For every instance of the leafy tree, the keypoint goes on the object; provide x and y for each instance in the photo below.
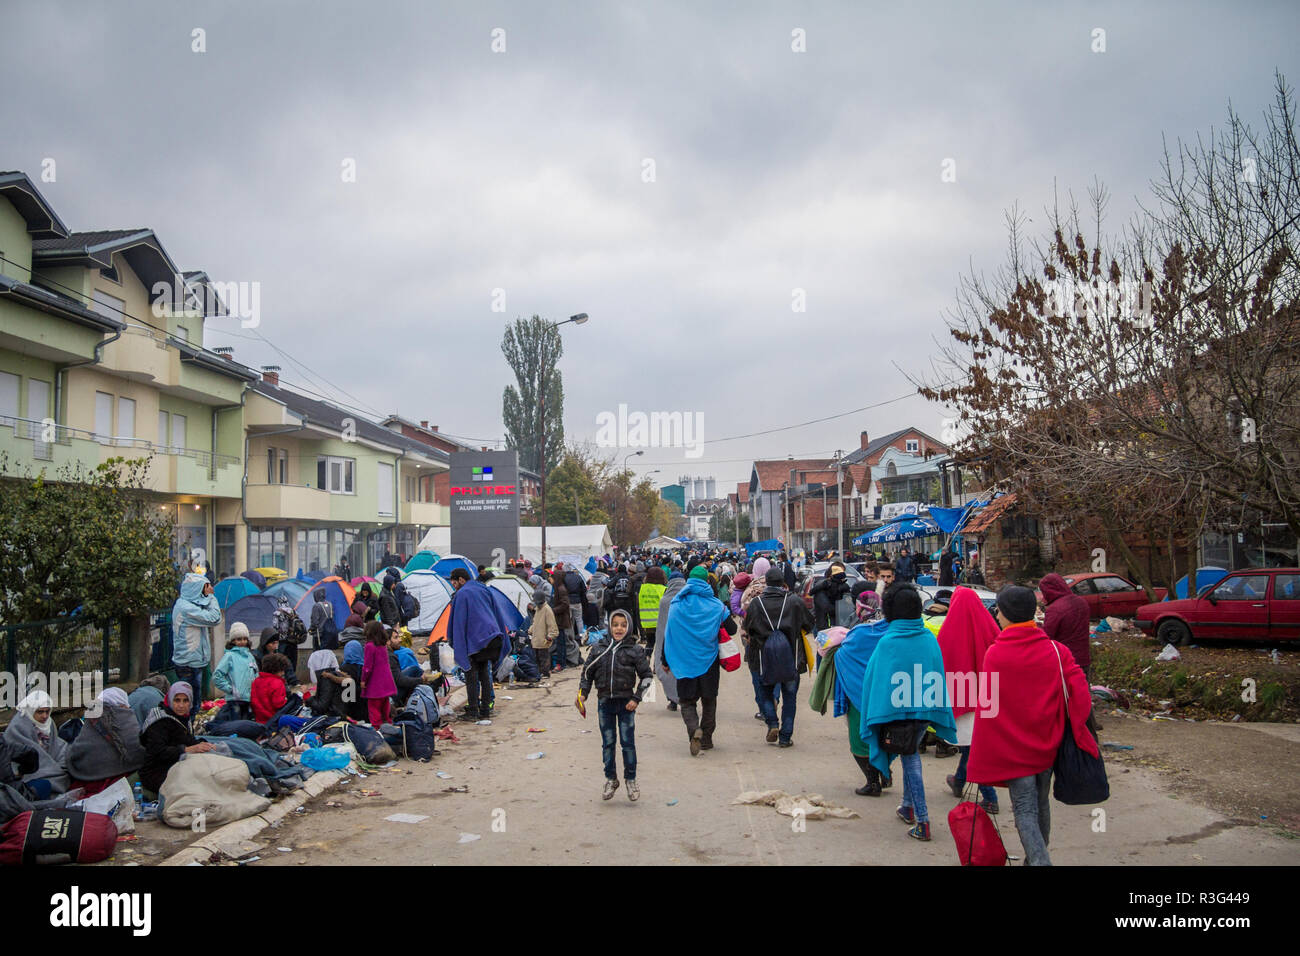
(532, 348)
(87, 539)
(571, 480)
(722, 528)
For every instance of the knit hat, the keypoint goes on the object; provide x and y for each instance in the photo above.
(774, 577)
(700, 572)
(237, 630)
(1017, 604)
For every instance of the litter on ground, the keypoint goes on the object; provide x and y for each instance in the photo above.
(469, 837)
(811, 806)
(406, 817)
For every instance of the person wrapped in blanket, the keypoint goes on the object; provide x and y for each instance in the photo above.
(330, 697)
(167, 734)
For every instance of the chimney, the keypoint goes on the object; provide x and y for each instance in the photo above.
(226, 352)
(424, 424)
(271, 374)
(865, 441)
(433, 428)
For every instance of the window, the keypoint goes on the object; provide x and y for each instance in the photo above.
(266, 548)
(223, 551)
(103, 418)
(270, 466)
(162, 431)
(334, 474)
(913, 445)
(109, 306)
(385, 488)
(9, 395)
(126, 419)
(1286, 587)
(314, 549)
(1082, 587)
(1112, 585)
(178, 434)
(283, 456)
(1242, 587)
(38, 409)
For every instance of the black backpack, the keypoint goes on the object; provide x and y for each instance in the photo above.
(776, 663)
(623, 588)
(410, 606)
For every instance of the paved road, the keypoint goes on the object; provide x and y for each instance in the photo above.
(549, 811)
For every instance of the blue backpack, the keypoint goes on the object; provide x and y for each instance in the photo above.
(776, 663)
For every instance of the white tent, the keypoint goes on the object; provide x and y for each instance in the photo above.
(513, 587)
(583, 541)
(663, 542)
(433, 592)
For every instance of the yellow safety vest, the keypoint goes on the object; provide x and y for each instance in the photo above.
(648, 601)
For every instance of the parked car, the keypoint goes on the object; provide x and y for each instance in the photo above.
(1108, 595)
(1253, 604)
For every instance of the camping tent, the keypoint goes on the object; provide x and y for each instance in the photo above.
(340, 594)
(513, 587)
(421, 561)
(230, 590)
(444, 566)
(434, 594)
(256, 578)
(586, 540)
(662, 543)
(255, 610)
(291, 588)
(1204, 578)
(272, 575)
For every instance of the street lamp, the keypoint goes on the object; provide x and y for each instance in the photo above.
(626, 470)
(578, 319)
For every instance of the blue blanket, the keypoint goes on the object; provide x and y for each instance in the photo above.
(905, 680)
(851, 663)
(691, 641)
(474, 622)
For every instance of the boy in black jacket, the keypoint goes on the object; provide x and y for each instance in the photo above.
(618, 668)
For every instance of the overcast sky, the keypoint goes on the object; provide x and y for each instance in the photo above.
(524, 170)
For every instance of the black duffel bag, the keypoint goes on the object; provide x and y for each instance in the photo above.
(902, 737)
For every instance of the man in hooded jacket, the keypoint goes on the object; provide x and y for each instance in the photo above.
(194, 615)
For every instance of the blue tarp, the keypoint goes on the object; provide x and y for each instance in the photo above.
(903, 529)
(1204, 578)
(771, 544)
(948, 519)
(230, 590)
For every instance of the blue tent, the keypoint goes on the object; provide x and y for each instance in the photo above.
(506, 607)
(904, 528)
(1204, 578)
(230, 590)
(292, 588)
(312, 576)
(451, 562)
(255, 611)
(256, 577)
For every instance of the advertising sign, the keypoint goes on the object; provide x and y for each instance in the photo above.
(485, 505)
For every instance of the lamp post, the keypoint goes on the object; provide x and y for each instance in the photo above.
(578, 319)
(626, 470)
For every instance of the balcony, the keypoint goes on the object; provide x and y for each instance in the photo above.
(291, 502)
(425, 513)
(37, 445)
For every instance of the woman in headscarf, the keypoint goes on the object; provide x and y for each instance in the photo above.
(33, 727)
(967, 632)
(166, 735)
(108, 747)
(323, 670)
(691, 654)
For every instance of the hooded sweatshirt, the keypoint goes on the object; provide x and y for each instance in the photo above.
(967, 632)
(1021, 737)
(235, 673)
(193, 617)
(1067, 618)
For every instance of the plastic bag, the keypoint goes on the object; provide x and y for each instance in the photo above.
(1170, 653)
(117, 801)
(324, 758)
(446, 658)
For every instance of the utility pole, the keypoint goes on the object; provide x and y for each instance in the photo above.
(839, 505)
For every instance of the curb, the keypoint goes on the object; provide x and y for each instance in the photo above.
(246, 829)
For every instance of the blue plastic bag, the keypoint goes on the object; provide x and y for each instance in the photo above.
(324, 758)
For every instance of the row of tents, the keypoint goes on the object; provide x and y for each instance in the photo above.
(426, 576)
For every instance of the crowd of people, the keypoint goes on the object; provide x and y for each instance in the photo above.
(999, 699)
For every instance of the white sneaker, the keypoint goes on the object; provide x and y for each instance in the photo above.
(610, 787)
(633, 791)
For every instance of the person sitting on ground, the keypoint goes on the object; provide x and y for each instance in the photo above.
(405, 667)
(150, 694)
(108, 747)
(269, 692)
(270, 644)
(618, 669)
(235, 673)
(33, 727)
(166, 736)
(324, 672)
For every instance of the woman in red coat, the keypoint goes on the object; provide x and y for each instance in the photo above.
(1015, 741)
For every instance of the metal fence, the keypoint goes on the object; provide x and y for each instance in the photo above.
(63, 645)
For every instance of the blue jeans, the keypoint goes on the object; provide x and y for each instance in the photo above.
(196, 678)
(761, 691)
(1030, 801)
(617, 722)
(959, 778)
(789, 694)
(914, 787)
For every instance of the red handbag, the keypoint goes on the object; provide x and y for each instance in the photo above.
(977, 837)
(728, 651)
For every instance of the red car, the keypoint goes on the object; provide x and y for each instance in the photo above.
(1253, 604)
(1108, 595)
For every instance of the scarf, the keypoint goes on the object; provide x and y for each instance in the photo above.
(851, 658)
(968, 630)
(181, 687)
(29, 705)
(320, 661)
(115, 697)
(904, 681)
(353, 653)
(691, 640)
(760, 569)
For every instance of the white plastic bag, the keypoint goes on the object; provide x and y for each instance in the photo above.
(1170, 653)
(446, 658)
(117, 801)
(651, 695)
